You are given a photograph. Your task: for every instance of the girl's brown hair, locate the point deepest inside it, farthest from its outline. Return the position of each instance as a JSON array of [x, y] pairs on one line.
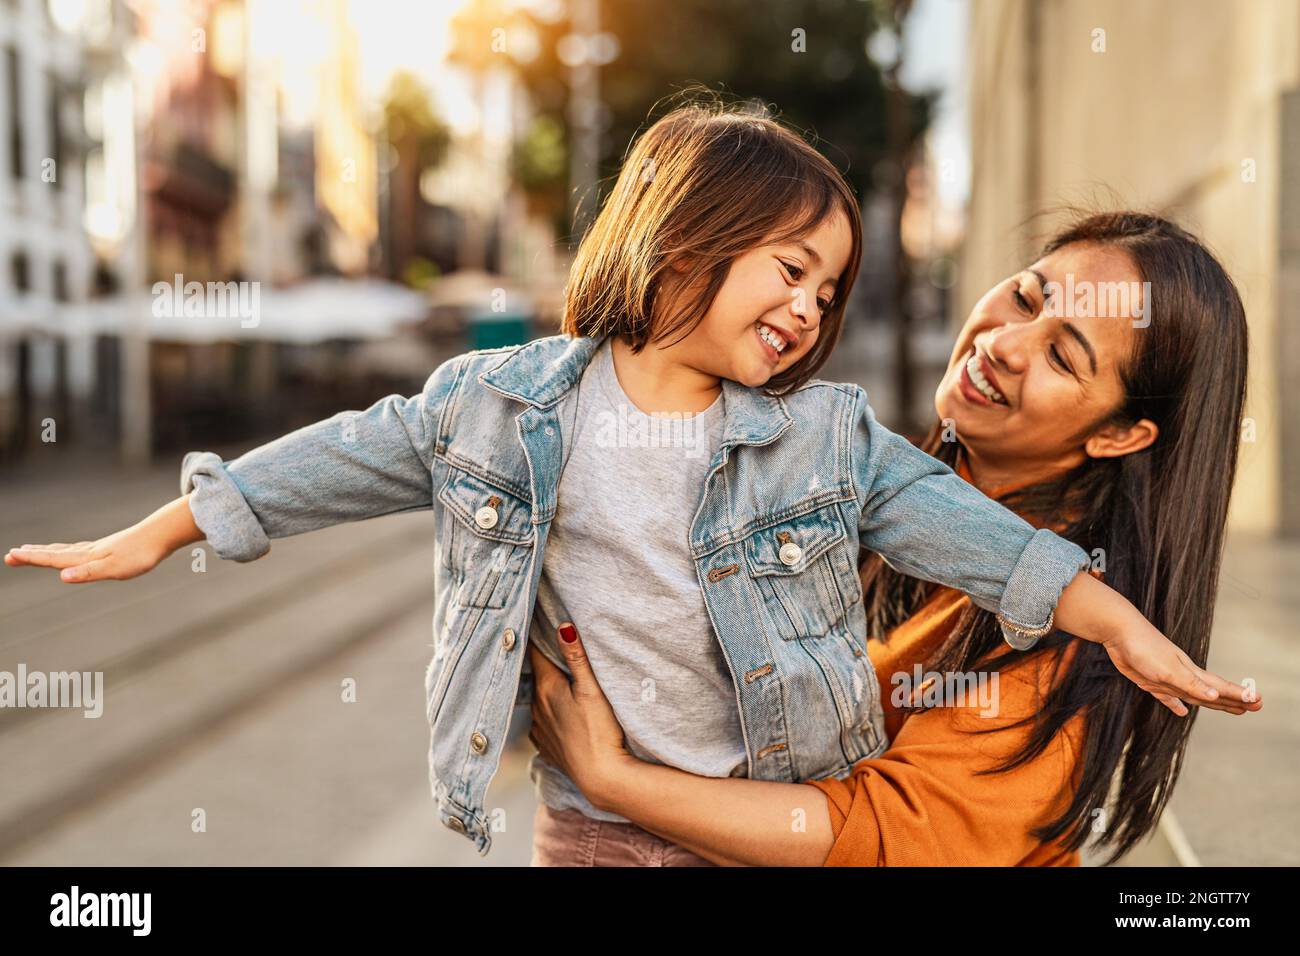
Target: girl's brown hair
[[705, 183]]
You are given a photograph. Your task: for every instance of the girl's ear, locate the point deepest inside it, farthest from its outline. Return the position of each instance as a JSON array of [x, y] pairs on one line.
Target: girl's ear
[[1115, 441]]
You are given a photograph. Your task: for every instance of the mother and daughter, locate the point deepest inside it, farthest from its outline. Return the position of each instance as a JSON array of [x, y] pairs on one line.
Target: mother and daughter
[[727, 701]]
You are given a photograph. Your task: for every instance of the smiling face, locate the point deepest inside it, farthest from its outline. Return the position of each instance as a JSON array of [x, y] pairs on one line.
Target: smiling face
[[767, 314], [1033, 378]]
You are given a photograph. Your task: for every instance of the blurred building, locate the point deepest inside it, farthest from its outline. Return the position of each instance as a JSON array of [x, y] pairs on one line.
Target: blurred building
[[45, 259], [346, 173], [188, 68], [1186, 107]]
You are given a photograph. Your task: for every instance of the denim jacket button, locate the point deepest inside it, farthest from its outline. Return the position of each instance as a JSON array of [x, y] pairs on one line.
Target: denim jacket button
[[456, 824], [478, 743], [790, 553], [486, 517], [508, 638]]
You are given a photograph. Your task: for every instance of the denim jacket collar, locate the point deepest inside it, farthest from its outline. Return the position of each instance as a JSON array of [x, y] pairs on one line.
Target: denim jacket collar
[[535, 375]]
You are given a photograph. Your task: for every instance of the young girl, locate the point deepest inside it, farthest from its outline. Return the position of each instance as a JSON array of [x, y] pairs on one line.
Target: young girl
[[711, 480]]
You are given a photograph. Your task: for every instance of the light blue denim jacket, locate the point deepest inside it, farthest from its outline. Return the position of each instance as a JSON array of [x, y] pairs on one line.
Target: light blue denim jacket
[[797, 486]]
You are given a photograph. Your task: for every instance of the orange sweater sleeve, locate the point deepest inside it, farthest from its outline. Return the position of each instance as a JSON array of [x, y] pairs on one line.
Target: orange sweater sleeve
[[921, 803]]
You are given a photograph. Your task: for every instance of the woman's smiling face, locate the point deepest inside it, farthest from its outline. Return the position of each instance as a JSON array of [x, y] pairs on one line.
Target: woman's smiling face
[[1032, 376]]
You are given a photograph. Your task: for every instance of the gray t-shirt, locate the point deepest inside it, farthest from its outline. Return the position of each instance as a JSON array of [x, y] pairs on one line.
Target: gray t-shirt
[[618, 565]]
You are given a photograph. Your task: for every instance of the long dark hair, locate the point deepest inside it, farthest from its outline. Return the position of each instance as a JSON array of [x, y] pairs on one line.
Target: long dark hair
[[1158, 515]]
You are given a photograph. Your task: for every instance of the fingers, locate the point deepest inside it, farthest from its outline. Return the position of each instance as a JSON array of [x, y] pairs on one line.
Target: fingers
[[543, 669], [46, 555], [584, 681], [1227, 689], [1173, 703], [97, 570], [1228, 707], [1191, 684]]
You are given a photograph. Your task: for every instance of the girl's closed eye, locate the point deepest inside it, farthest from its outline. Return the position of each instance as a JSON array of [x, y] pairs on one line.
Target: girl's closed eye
[[796, 273]]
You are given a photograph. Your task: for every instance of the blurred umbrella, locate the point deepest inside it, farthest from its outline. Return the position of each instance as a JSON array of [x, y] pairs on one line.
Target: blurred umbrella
[[317, 310]]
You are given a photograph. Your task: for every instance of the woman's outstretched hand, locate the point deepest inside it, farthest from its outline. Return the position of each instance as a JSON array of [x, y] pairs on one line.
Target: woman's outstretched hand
[[574, 728]]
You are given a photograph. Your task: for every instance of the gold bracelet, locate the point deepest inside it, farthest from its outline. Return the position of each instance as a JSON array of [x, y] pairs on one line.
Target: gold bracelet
[[1028, 631]]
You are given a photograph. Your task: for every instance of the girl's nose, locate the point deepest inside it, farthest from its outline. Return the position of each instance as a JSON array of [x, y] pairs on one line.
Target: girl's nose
[[801, 310]]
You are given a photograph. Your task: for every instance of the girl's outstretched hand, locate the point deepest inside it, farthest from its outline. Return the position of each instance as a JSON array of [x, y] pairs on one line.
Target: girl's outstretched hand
[[1162, 669], [125, 554], [1091, 610]]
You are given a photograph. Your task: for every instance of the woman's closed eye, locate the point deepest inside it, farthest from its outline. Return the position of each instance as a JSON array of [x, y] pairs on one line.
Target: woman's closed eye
[[1056, 357]]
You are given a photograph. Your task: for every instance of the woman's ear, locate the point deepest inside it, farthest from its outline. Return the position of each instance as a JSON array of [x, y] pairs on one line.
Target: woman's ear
[[1115, 441]]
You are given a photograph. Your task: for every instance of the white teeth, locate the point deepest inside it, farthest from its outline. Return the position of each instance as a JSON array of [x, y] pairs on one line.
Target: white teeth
[[771, 337], [981, 383]]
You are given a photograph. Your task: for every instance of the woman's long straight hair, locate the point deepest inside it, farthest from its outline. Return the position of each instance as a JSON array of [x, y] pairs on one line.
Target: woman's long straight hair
[[1158, 515]]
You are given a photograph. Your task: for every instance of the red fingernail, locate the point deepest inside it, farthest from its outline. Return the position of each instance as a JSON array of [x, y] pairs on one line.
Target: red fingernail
[[568, 633]]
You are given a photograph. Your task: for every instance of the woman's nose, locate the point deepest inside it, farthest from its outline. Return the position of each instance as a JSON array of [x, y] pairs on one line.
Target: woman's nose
[[1008, 347]]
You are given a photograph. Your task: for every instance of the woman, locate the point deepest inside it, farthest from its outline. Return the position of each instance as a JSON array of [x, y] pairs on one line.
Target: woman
[[1116, 426]]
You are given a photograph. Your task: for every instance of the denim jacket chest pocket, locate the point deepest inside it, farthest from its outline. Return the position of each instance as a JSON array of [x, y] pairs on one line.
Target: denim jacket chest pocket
[[487, 543], [804, 572]]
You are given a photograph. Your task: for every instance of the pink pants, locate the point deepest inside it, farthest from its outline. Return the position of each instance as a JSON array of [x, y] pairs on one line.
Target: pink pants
[[569, 838]]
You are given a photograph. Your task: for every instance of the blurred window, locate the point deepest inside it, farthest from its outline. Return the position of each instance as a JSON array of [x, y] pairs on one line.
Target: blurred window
[[21, 272], [15, 113], [54, 104], [60, 282]]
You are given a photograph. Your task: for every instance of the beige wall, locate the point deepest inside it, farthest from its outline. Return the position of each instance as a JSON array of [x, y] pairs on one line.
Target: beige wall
[[1163, 119]]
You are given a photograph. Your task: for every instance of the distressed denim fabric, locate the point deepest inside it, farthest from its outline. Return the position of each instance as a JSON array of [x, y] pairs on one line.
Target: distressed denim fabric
[[797, 486]]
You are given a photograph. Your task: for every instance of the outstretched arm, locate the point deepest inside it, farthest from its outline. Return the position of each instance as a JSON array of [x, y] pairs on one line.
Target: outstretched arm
[[349, 467], [929, 523]]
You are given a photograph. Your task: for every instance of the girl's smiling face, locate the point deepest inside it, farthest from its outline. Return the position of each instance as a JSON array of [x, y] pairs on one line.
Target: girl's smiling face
[[1031, 379], [767, 314]]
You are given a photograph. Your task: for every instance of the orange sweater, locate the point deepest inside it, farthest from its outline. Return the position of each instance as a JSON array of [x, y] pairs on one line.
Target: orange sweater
[[920, 803]]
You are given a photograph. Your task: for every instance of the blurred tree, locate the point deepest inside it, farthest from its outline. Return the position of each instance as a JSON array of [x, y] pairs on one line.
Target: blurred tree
[[807, 58], [419, 140]]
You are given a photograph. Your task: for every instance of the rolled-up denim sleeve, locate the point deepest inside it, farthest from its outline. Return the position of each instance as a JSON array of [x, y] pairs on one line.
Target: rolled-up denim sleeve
[[349, 467], [927, 522]]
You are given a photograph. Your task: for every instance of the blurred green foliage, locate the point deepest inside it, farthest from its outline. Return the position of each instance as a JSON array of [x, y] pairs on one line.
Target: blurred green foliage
[[820, 81]]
